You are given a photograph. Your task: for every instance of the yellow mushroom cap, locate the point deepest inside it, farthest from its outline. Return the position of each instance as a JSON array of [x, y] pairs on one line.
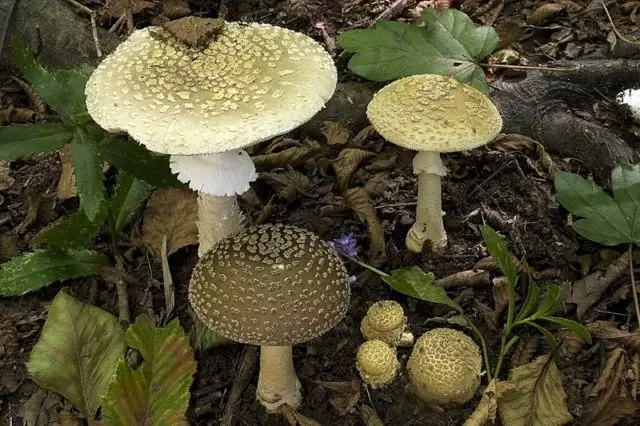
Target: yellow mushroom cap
[[434, 113], [377, 363], [384, 321], [445, 366], [254, 82], [274, 285]]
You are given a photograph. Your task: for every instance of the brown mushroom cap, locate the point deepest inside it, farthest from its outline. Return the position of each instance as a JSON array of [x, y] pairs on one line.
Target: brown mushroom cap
[[434, 113], [270, 285]]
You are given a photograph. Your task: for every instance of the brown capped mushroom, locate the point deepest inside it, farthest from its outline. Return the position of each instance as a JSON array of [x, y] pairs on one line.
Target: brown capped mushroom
[[432, 114], [273, 286], [204, 104]]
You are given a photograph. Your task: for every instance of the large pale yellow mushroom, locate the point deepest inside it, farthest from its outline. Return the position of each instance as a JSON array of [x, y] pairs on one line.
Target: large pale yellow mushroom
[[445, 367], [273, 286], [203, 105], [432, 114]]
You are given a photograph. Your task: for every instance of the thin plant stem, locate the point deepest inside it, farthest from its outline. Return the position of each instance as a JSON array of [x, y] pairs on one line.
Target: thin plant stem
[[364, 265], [633, 284], [485, 351], [503, 342]]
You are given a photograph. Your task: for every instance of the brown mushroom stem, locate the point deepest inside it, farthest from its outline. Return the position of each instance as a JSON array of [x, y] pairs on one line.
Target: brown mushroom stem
[[428, 225], [218, 217], [277, 382]]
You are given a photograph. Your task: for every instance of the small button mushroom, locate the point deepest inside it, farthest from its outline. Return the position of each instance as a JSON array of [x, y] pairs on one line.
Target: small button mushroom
[[273, 286], [445, 367], [385, 320], [377, 363], [204, 104], [432, 114]]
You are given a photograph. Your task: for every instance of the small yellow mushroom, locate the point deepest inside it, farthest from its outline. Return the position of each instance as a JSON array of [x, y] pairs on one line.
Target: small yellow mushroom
[[377, 363], [385, 321], [445, 367]]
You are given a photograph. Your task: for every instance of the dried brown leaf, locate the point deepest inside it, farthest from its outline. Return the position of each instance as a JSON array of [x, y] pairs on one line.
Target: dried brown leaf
[[195, 31], [369, 416], [363, 135], [171, 212], [489, 316], [294, 156], [347, 162], [381, 164], [294, 418], [335, 133], [571, 343], [116, 8], [173, 9], [5, 175], [67, 183], [500, 292], [545, 12], [524, 351], [286, 184], [348, 395], [377, 184], [35, 101], [588, 290], [608, 330], [487, 408], [360, 202]]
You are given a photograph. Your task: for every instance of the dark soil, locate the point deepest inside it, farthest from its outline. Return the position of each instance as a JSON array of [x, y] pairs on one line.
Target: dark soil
[[510, 190]]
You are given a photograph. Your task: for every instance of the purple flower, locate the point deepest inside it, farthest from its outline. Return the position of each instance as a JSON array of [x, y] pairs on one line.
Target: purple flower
[[346, 244], [352, 279]]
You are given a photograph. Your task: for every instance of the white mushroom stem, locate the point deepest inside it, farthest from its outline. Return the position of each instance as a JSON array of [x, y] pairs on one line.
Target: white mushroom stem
[[218, 216], [278, 383], [428, 225]]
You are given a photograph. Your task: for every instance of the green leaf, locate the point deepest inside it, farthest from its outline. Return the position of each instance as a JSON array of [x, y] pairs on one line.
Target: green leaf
[[20, 140], [550, 338], [550, 301], [625, 182], [205, 338], [63, 90], [510, 343], [73, 232], [87, 167], [604, 221], [449, 44], [577, 328], [132, 157], [416, 283], [500, 254], [77, 352], [34, 270], [157, 392], [530, 302], [129, 195]]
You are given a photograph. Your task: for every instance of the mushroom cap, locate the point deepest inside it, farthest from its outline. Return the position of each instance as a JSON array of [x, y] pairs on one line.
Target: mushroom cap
[[384, 321], [445, 366], [377, 363], [254, 82], [271, 285], [434, 113]]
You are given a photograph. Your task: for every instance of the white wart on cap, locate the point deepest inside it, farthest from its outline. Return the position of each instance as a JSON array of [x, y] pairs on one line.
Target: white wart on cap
[[254, 82], [271, 285]]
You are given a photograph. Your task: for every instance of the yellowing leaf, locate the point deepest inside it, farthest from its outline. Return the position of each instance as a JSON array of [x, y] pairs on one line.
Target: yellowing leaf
[[335, 133], [609, 331], [347, 162], [171, 212], [538, 398], [157, 392], [77, 352], [67, 183], [486, 410], [360, 202]]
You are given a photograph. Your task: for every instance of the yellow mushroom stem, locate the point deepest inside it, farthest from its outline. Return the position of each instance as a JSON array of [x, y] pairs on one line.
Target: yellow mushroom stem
[[277, 382], [428, 225], [218, 217]]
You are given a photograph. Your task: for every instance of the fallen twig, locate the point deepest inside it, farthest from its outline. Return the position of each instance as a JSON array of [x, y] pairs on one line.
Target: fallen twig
[[244, 373], [94, 25], [471, 278], [395, 8]]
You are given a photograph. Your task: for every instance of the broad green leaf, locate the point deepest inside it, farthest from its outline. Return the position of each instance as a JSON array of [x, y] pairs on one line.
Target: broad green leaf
[[416, 283], [77, 352], [449, 44], [549, 303], [577, 328], [63, 90], [129, 195], [530, 302], [604, 221], [625, 182], [87, 167], [157, 392], [538, 398], [34, 270], [132, 157], [500, 254], [73, 232], [548, 337], [20, 140]]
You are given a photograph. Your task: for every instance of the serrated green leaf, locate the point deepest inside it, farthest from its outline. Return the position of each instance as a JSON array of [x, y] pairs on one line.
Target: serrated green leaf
[[73, 232], [500, 254], [577, 328], [416, 283], [157, 392], [77, 352], [449, 44], [20, 140], [604, 221], [62, 90], [129, 195], [87, 167], [34, 270], [140, 162]]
